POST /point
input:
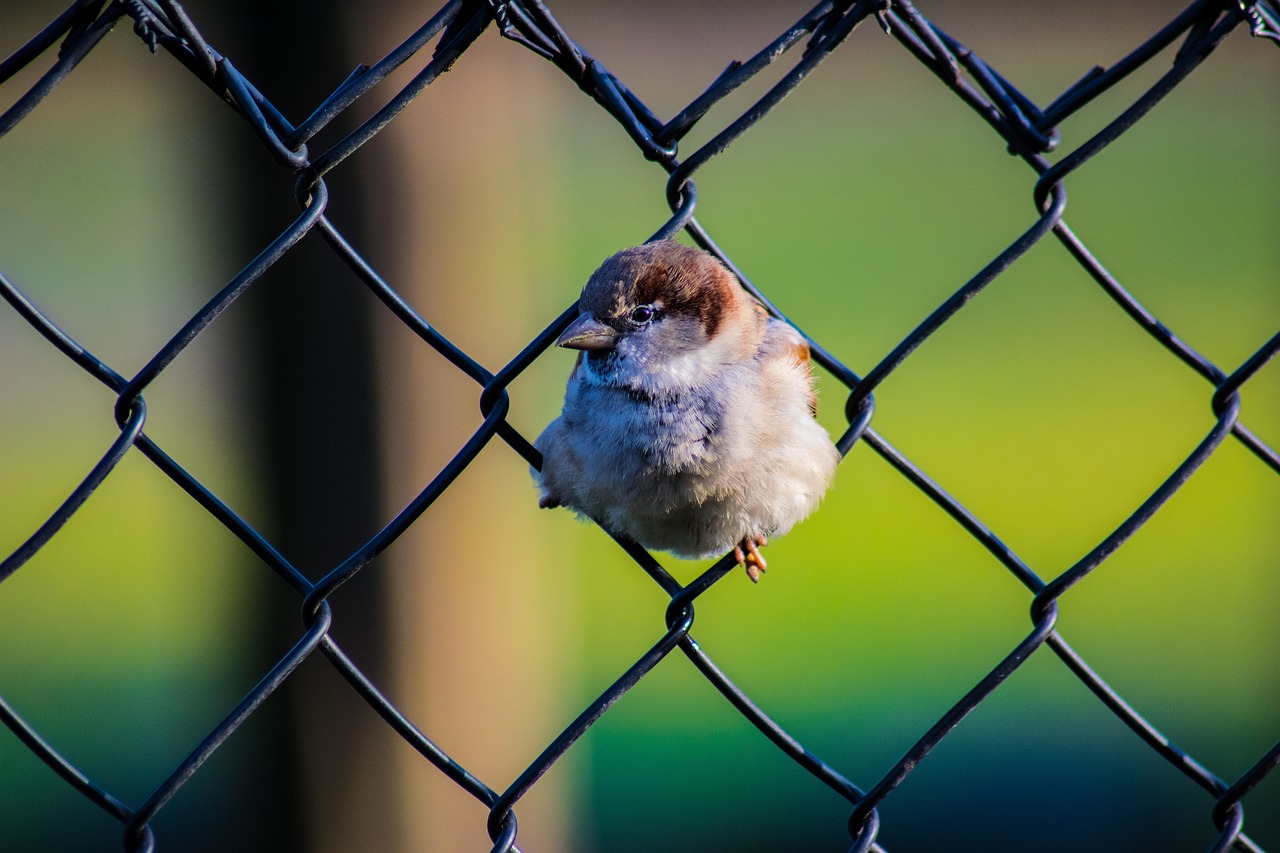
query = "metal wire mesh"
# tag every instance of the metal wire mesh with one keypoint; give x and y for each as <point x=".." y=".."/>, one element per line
<point x="1028" y="130"/>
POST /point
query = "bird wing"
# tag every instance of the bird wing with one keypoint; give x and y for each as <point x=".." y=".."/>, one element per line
<point x="783" y="342"/>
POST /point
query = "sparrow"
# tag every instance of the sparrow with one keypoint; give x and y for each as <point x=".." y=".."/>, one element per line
<point x="688" y="423"/>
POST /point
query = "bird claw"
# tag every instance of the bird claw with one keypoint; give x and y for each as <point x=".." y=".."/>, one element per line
<point x="747" y="553"/>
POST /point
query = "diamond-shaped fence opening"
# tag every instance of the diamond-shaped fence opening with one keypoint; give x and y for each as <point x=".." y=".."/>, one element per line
<point x="304" y="425"/>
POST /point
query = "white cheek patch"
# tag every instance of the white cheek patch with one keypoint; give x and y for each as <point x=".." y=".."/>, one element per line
<point x="686" y="365"/>
<point x="674" y="353"/>
<point x="686" y="369"/>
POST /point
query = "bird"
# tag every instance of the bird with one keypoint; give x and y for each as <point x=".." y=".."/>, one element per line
<point x="689" y="418"/>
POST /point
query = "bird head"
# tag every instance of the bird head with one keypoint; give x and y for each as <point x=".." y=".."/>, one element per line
<point x="663" y="315"/>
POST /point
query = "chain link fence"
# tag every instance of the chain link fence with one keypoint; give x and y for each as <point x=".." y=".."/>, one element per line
<point x="1027" y="129"/>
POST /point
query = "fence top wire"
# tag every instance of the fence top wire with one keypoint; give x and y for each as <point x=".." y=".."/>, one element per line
<point x="1028" y="130"/>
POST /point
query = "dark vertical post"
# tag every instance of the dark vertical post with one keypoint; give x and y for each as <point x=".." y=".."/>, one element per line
<point x="310" y="369"/>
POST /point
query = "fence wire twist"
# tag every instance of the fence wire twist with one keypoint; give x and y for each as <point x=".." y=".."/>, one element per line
<point x="1028" y="130"/>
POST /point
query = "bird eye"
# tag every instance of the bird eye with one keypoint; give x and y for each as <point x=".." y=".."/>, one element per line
<point x="643" y="314"/>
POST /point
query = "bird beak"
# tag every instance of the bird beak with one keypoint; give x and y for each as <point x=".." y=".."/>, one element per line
<point x="588" y="333"/>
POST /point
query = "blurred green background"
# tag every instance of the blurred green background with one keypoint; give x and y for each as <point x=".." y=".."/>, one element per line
<point x="858" y="205"/>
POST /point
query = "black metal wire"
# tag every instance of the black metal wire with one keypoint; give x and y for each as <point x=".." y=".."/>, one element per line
<point x="1028" y="131"/>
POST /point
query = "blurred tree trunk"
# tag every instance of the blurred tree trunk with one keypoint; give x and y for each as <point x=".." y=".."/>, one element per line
<point x="325" y="772"/>
<point x="479" y="651"/>
<point x="428" y="622"/>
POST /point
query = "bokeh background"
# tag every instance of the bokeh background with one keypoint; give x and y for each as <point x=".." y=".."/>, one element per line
<point x="132" y="194"/>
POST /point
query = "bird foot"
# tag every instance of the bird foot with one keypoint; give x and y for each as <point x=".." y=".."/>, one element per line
<point x="747" y="554"/>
